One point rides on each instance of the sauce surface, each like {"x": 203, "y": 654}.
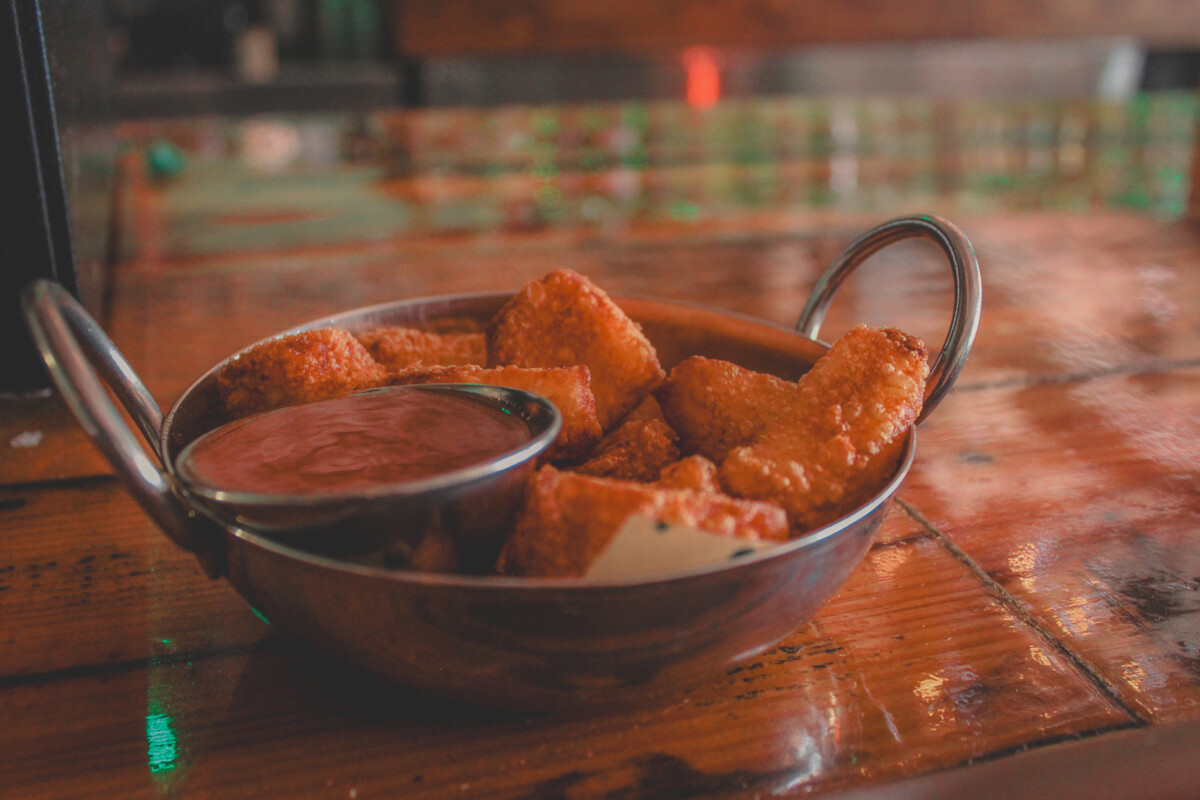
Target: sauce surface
{"x": 356, "y": 442}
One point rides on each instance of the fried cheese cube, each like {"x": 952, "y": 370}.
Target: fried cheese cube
{"x": 568, "y": 519}
{"x": 694, "y": 472}
{"x": 646, "y": 410}
{"x": 841, "y": 443}
{"x": 565, "y": 319}
{"x": 444, "y": 325}
{"x": 294, "y": 369}
{"x": 636, "y": 451}
{"x": 568, "y": 388}
{"x": 717, "y": 405}
{"x": 398, "y": 348}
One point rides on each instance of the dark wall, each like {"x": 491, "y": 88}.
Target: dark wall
{"x": 57, "y": 172}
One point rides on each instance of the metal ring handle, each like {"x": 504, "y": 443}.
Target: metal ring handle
{"x": 74, "y": 348}
{"x": 968, "y": 293}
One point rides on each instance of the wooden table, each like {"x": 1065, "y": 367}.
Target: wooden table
{"x": 1028, "y": 623}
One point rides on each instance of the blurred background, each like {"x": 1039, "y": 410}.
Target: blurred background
{"x": 119, "y": 61}
{"x": 591, "y": 116}
{"x": 165, "y": 57}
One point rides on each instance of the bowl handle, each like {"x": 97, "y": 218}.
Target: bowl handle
{"x": 967, "y": 293}
{"x": 75, "y": 348}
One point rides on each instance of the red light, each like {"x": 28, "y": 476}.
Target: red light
{"x": 703, "y": 77}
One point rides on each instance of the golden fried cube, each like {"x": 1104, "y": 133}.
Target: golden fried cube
{"x": 636, "y": 451}
{"x": 840, "y": 443}
{"x": 398, "y": 348}
{"x": 645, "y": 411}
{"x": 717, "y": 405}
{"x": 564, "y": 319}
{"x": 694, "y": 472}
{"x": 568, "y": 519}
{"x": 568, "y": 388}
{"x": 294, "y": 369}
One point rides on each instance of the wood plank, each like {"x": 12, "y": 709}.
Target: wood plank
{"x": 41, "y": 441}
{"x": 1159, "y": 760}
{"x": 912, "y": 667}
{"x": 87, "y": 580}
{"x": 1082, "y": 500}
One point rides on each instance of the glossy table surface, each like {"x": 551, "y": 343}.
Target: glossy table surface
{"x": 1035, "y": 591}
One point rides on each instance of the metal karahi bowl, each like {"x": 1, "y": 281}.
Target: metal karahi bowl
{"x": 518, "y": 643}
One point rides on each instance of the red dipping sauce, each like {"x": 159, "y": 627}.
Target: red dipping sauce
{"x": 359, "y": 442}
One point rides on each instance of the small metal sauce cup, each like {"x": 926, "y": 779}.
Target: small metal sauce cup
{"x": 473, "y": 506}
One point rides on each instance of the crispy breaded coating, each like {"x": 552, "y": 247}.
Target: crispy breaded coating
{"x": 294, "y": 369}
{"x": 568, "y": 519}
{"x": 694, "y": 472}
{"x": 568, "y": 388}
{"x": 646, "y": 410}
{"x": 834, "y": 452}
{"x": 444, "y": 325}
{"x": 636, "y": 451}
{"x": 565, "y": 319}
{"x": 400, "y": 348}
{"x": 716, "y": 405}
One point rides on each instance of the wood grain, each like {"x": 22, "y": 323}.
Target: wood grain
{"x": 41, "y": 441}
{"x": 86, "y": 580}
{"x": 1082, "y": 500}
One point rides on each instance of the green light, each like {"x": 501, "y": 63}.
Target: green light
{"x": 160, "y": 743}
{"x": 684, "y": 210}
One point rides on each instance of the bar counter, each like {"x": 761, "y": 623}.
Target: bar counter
{"x": 1027, "y": 622}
